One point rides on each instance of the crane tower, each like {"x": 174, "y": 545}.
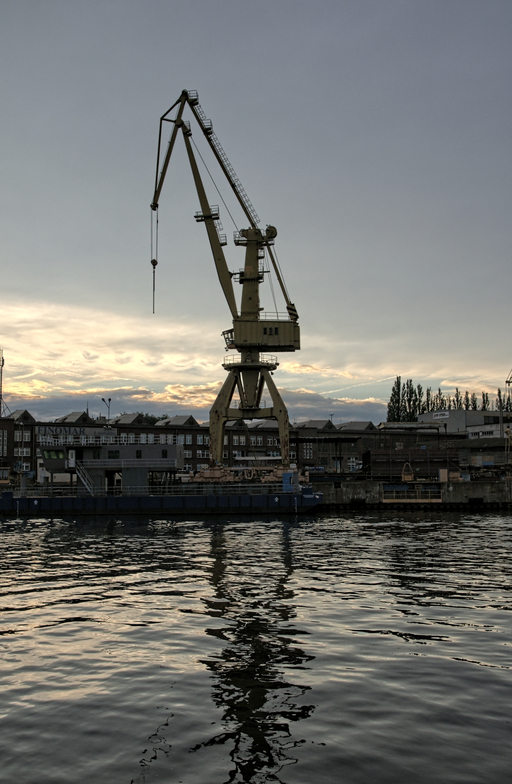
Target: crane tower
{"x": 253, "y": 331}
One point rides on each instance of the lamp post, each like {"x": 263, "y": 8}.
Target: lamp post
{"x": 107, "y": 403}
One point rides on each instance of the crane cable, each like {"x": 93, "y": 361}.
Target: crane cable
{"x": 233, "y": 220}
{"x": 214, "y": 183}
{"x": 154, "y": 246}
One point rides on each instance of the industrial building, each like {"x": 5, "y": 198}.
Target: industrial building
{"x": 125, "y": 451}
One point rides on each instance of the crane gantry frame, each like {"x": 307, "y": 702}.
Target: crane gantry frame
{"x": 252, "y": 331}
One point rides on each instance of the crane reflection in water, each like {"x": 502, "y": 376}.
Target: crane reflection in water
{"x": 253, "y": 679}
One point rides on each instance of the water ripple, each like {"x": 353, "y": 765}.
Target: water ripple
{"x": 366, "y": 648}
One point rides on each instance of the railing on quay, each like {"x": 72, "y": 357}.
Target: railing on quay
{"x": 188, "y": 489}
{"x": 117, "y": 463}
{"x": 419, "y": 494}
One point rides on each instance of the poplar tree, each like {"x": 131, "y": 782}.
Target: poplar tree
{"x": 395, "y": 401}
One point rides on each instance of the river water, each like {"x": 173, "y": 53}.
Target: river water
{"x": 354, "y": 649}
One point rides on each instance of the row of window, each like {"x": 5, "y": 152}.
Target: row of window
{"x": 254, "y": 441}
{"x": 22, "y": 435}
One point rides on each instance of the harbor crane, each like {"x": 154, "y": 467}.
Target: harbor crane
{"x": 253, "y": 331}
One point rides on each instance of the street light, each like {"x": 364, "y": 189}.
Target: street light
{"x": 107, "y": 403}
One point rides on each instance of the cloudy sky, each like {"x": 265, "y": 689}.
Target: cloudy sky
{"x": 374, "y": 134}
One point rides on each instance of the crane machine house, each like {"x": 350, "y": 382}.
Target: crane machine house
{"x": 253, "y": 332}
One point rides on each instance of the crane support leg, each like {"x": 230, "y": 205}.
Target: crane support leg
{"x": 281, "y": 414}
{"x": 249, "y": 382}
{"x": 219, "y": 417}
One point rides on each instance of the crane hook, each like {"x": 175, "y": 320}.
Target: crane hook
{"x": 154, "y": 262}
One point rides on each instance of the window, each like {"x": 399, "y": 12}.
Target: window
{"x": 54, "y": 454}
{"x": 113, "y": 454}
{"x": 138, "y": 454}
{"x": 293, "y": 455}
{"x": 259, "y": 440}
{"x": 253, "y": 440}
{"x": 151, "y": 438}
{"x": 242, "y": 440}
{"x": 163, "y": 438}
{"x": 180, "y": 439}
{"x": 131, "y": 438}
{"x": 96, "y": 454}
{"x": 124, "y": 438}
{"x": 164, "y": 453}
{"x": 225, "y": 440}
{"x": 225, "y": 454}
{"x": 235, "y": 440}
{"x": 187, "y": 453}
{"x": 143, "y": 438}
{"x": 274, "y": 453}
{"x": 22, "y": 452}
{"x": 4, "y": 473}
{"x": 26, "y": 435}
{"x": 17, "y": 435}
{"x": 270, "y": 442}
{"x": 207, "y": 440}
{"x": 188, "y": 439}
{"x": 26, "y": 467}
{"x": 199, "y": 439}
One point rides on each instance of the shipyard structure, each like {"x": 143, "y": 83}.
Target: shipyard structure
{"x": 453, "y": 456}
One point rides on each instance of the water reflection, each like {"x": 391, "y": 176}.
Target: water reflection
{"x": 254, "y": 675}
{"x": 252, "y": 679}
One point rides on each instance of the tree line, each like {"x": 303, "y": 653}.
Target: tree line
{"x": 407, "y": 401}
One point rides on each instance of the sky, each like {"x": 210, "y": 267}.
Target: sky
{"x": 374, "y": 134}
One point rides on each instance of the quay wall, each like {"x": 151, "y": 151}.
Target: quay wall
{"x": 492, "y": 494}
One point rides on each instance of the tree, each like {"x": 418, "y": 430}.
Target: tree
{"x": 409, "y": 402}
{"x": 485, "y": 402}
{"x": 467, "y": 402}
{"x": 457, "y": 399}
{"x": 428, "y": 399}
{"x": 395, "y": 401}
{"x": 421, "y": 402}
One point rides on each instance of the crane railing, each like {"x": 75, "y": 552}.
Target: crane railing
{"x": 207, "y": 128}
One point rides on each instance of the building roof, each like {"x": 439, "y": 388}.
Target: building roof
{"x": 356, "y": 426}
{"x": 271, "y": 424}
{"x": 128, "y": 419}
{"x": 317, "y": 424}
{"x": 75, "y": 418}
{"x": 178, "y": 421}
{"x": 21, "y": 415}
